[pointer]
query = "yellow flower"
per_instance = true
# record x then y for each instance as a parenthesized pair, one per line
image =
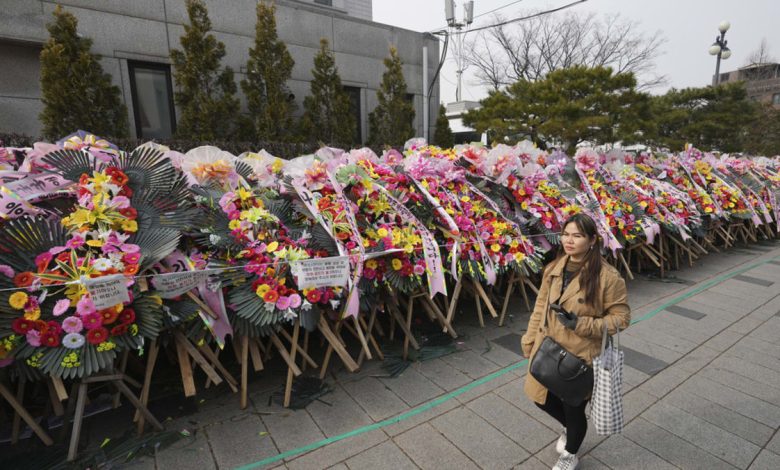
(262, 289)
(234, 224)
(371, 264)
(382, 232)
(95, 243)
(409, 249)
(17, 300)
(129, 225)
(33, 314)
(495, 247)
(243, 194)
(519, 257)
(278, 165)
(465, 199)
(397, 264)
(272, 247)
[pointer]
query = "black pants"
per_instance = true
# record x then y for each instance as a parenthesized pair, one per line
(571, 417)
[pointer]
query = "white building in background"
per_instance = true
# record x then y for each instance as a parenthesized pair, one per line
(462, 133)
(135, 37)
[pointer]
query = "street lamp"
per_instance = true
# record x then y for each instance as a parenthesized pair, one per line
(719, 48)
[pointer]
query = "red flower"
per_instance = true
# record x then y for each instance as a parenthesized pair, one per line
(127, 316)
(54, 327)
(21, 326)
(109, 315)
(50, 339)
(126, 191)
(313, 296)
(118, 176)
(97, 335)
(119, 330)
(84, 179)
(129, 212)
(64, 257)
(271, 296)
(24, 279)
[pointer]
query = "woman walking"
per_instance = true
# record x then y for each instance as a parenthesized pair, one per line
(585, 292)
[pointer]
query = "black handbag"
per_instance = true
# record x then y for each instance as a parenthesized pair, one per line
(563, 374)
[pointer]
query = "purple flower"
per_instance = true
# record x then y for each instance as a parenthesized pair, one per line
(33, 338)
(283, 303)
(295, 301)
(60, 307)
(72, 324)
(75, 242)
(85, 306)
(6, 270)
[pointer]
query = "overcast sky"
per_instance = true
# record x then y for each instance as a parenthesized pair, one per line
(689, 26)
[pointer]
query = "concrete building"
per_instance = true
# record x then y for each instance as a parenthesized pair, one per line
(134, 39)
(762, 82)
(462, 134)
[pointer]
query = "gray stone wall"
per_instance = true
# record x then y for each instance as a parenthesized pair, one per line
(146, 30)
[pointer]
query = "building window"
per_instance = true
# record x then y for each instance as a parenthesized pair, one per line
(150, 85)
(776, 99)
(354, 100)
(327, 3)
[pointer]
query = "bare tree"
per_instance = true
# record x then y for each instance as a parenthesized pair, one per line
(529, 50)
(761, 55)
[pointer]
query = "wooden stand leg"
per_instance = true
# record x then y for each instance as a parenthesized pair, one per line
(244, 371)
(56, 404)
(307, 360)
(122, 368)
(290, 373)
(334, 344)
(19, 409)
(77, 419)
(362, 337)
(408, 324)
(433, 310)
(185, 367)
(481, 291)
(305, 348)
(211, 356)
(15, 428)
(151, 361)
(510, 286)
(396, 314)
(454, 301)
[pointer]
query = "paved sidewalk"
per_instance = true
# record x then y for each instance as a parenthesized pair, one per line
(702, 391)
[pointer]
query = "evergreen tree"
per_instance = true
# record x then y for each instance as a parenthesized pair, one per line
(77, 94)
(268, 69)
(390, 123)
(442, 136)
(569, 106)
(327, 115)
(205, 92)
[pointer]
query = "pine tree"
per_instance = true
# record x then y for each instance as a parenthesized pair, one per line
(390, 122)
(327, 116)
(442, 136)
(268, 69)
(206, 93)
(77, 94)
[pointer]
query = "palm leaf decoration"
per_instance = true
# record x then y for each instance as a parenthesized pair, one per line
(156, 244)
(251, 307)
(323, 240)
(244, 170)
(147, 167)
(170, 208)
(72, 163)
(27, 238)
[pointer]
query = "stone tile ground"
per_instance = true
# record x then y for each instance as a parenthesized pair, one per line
(702, 391)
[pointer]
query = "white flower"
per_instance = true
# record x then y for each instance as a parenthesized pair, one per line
(101, 264)
(214, 239)
(289, 314)
(306, 306)
(73, 340)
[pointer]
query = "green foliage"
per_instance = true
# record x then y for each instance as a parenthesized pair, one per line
(764, 135)
(569, 106)
(708, 117)
(77, 94)
(390, 123)
(442, 136)
(328, 116)
(268, 69)
(205, 92)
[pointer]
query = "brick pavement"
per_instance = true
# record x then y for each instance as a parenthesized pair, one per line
(702, 391)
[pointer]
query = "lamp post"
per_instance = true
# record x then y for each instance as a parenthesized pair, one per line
(720, 49)
(452, 23)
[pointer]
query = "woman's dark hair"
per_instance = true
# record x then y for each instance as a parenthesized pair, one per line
(590, 272)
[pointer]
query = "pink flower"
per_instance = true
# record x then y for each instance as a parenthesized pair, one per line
(43, 260)
(75, 242)
(56, 250)
(419, 270)
(120, 202)
(234, 215)
(369, 273)
(132, 258)
(85, 306)
(130, 248)
(295, 301)
(283, 303)
(72, 324)
(33, 338)
(92, 320)
(6, 270)
(60, 307)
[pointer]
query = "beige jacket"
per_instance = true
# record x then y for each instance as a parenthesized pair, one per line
(585, 340)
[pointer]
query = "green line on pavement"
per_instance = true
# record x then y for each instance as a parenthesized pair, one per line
(483, 380)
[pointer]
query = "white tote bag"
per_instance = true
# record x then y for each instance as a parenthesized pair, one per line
(606, 411)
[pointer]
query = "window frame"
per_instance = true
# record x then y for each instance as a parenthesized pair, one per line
(132, 65)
